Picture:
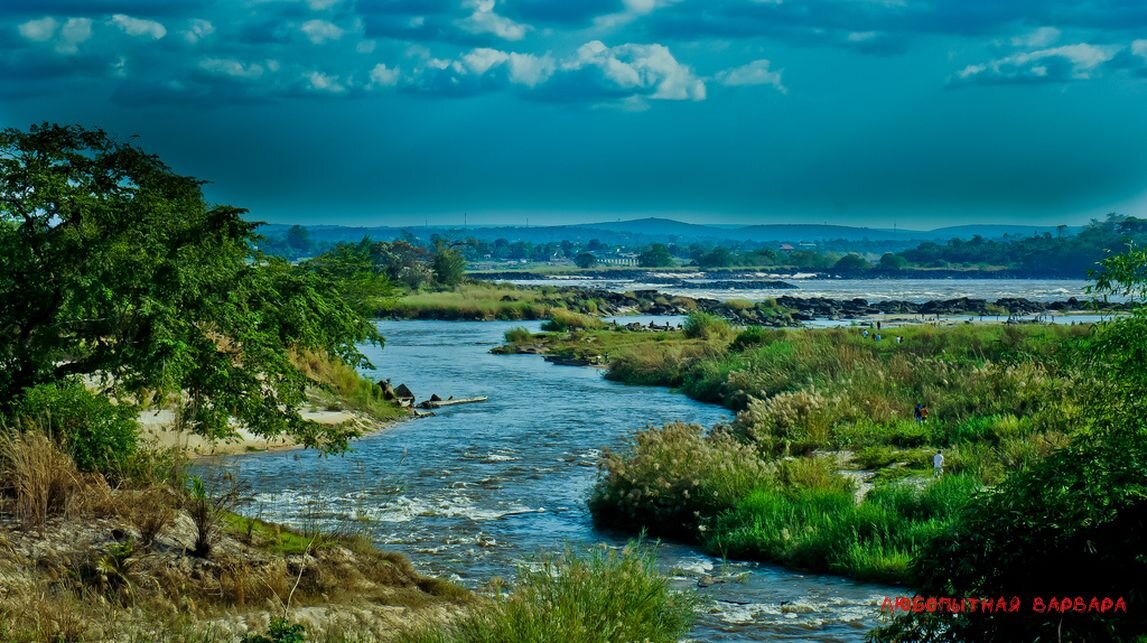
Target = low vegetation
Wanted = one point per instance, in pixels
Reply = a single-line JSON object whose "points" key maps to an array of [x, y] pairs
{"points": [[601, 597], [1042, 489]]}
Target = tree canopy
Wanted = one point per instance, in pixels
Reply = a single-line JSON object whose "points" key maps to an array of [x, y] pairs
{"points": [[114, 267]]}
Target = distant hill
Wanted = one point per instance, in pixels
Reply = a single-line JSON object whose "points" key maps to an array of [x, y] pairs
{"points": [[658, 230]]}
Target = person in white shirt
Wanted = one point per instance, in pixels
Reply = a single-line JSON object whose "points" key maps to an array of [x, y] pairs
{"points": [[937, 464]]}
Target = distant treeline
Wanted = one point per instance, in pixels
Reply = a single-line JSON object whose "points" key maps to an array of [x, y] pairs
{"points": [[1061, 254]]}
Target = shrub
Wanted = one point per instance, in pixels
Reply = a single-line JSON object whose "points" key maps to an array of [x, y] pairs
{"points": [[562, 320], [670, 476], [279, 630], [98, 434], [603, 597], [785, 423], [518, 335], [700, 325], [752, 337]]}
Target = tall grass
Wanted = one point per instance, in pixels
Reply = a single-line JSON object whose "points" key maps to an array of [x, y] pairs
{"points": [[603, 597], [344, 385], [562, 320], [37, 475], [666, 477], [824, 530]]}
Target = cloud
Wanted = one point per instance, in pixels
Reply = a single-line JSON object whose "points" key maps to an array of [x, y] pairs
{"points": [[322, 83], [41, 30], [1080, 61], [754, 73], [383, 76], [231, 68], [484, 20], [320, 31], [197, 30], [1042, 37], [637, 70], [67, 36], [138, 27]]}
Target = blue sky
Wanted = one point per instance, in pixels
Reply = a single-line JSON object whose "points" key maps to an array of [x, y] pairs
{"points": [[399, 112]]}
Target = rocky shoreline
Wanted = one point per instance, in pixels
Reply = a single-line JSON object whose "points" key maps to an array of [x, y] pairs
{"points": [[789, 310]]}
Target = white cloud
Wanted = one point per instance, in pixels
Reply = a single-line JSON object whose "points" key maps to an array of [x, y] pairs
{"points": [[66, 36], [484, 20], [480, 60], [643, 69], [1068, 62], [754, 73], [231, 68], [531, 70], [197, 30], [1139, 48], [320, 5], [40, 30], [383, 76], [365, 46], [138, 27], [320, 31], [634, 9], [1042, 37], [325, 83]]}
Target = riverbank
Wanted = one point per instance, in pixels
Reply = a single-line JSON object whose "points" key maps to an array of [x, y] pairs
{"points": [[822, 412], [483, 301]]}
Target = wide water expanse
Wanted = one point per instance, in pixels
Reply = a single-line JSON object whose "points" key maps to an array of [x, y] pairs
{"points": [[480, 488]]}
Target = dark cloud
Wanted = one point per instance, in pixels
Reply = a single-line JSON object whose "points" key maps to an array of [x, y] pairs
{"points": [[148, 8]]}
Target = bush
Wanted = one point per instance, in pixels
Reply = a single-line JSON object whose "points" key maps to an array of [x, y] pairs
{"points": [[669, 476], [603, 597], [99, 435], [754, 336], [562, 320], [518, 335], [786, 423], [279, 630], [700, 325]]}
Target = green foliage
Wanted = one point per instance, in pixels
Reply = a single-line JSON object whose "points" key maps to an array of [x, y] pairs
{"points": [[518, 335], [112, 265], [753, 337], [99, 435], [585, 260], [665, 477], [449, 266], [823, 529], [700, 325], [603, 597], [562, 320], [352, 269], [851, 264], [656, 256], [279, 630]]}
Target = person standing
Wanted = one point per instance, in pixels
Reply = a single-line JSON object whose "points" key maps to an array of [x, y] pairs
{"points": [[937, 464], [919, 415]]}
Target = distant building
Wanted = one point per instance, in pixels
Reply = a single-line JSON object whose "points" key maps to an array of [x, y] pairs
{"points": [[786, 247]]}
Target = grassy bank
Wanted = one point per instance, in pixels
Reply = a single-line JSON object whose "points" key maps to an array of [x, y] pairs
{"points": [[825, 466], [487, 301]]}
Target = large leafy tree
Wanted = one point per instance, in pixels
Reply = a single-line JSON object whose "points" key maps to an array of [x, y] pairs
{"points": [[114, 267]]}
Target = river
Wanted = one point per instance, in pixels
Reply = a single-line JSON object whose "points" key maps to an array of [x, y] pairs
{"points": [[480, 488], [915, 290]]}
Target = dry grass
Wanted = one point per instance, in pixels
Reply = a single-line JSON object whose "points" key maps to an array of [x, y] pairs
{"points": [[39, 478]]}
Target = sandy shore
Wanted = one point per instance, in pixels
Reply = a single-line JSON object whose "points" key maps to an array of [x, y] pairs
{"points": [[159, 426]]}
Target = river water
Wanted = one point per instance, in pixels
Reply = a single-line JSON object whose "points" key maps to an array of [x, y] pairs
{"points": [[915, 290], [480, 488]]}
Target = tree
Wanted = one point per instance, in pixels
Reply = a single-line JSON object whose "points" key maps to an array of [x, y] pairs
{"points": [[656, 256], [851, 264], [299, 239], [114, 267], [892, 262], [449, 266], [585, 260]]}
